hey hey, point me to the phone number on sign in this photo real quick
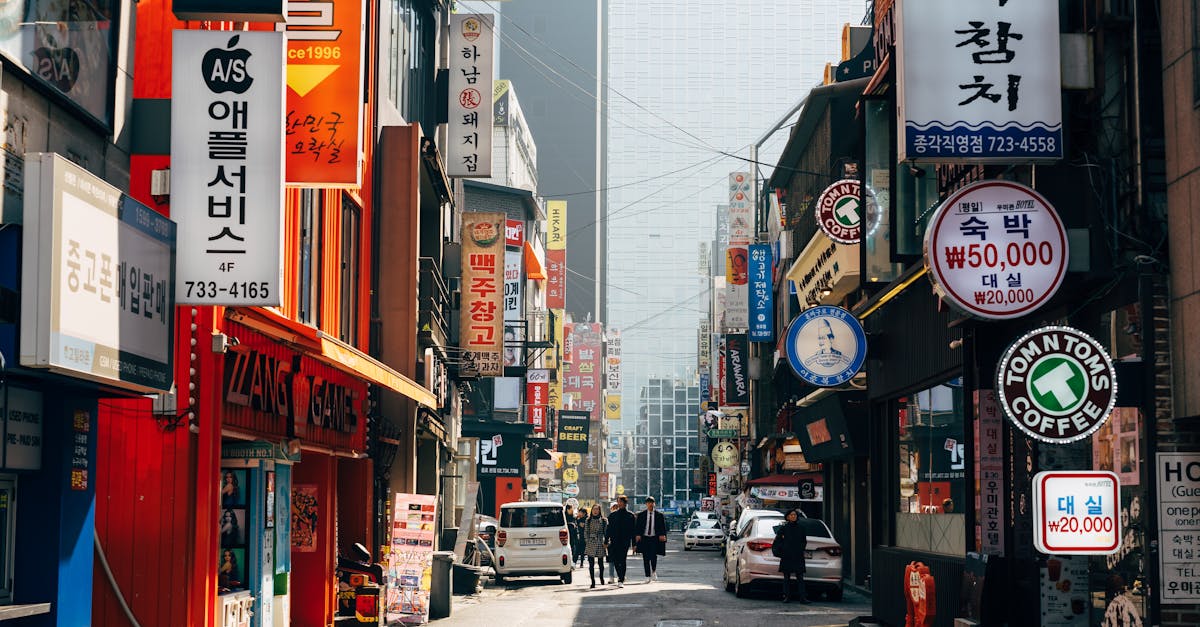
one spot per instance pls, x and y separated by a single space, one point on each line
245 289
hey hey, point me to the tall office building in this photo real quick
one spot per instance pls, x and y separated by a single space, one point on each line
665 449
688 81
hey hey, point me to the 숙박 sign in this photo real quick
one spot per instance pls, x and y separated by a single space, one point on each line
1179 526
469 130
762 310
323 128
1076 512
996 250
839 211
978 81
989 472
227 156
482 324
1057 384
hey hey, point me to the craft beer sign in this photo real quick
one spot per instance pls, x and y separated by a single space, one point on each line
1057 384
996 250
839 211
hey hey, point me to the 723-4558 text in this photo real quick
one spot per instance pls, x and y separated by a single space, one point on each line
243 289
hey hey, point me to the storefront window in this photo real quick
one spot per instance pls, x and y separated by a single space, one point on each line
932 484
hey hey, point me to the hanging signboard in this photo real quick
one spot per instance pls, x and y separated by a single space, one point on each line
839 211
741 210
482 323
470 120
989 472
612 369
737 286
537 392
1076 512
996 250
573 432
612 407
323 128
512 284
762 293
1178 526
737 371
826 346
978 81
1057 384
556 254
227 166
725 454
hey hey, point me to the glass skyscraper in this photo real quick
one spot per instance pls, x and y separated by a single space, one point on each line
688 82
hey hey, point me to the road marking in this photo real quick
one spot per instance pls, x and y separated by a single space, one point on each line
680 622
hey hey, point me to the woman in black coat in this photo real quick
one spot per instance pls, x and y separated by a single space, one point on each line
789 545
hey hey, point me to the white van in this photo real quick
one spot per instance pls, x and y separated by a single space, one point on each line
533 539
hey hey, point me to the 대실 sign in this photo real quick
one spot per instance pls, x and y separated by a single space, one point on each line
1076 512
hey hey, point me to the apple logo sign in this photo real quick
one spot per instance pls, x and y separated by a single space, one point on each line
225 70
57 66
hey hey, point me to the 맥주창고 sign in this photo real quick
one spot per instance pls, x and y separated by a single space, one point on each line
826 346
1057 384
1075 512
482 322
839 211
996 250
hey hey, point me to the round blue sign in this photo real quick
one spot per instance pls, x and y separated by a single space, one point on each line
826 346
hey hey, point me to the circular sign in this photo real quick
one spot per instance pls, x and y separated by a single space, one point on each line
620 489
725 454
573 502
839 211
996 250
1057 384
826 345
571 488
570 475
574 459
532 483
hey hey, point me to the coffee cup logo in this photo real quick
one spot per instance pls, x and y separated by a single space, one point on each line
225 70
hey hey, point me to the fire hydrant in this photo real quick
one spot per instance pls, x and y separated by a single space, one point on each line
920 596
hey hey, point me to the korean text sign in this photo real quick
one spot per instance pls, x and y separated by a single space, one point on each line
1179 526
482 324
978 80
537 391
1076 512
227 165
556 254
583 373
469 149
97 279
323 127
612 370
762 311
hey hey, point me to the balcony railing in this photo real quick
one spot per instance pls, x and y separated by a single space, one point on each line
433 304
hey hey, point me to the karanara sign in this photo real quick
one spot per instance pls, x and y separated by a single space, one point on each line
839 211
1057 384
996 250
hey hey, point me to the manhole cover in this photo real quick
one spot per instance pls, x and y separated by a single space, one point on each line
686 622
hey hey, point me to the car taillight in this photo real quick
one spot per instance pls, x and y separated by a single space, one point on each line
563 536
501 560
834 551
501 537
564 559
758 546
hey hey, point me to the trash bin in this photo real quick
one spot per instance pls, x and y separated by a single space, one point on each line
441 585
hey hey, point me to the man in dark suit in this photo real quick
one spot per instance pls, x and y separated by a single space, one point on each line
651 529
620 534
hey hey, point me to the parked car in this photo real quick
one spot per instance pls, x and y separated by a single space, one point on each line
706 532
748 515
698 515
750 563
532 539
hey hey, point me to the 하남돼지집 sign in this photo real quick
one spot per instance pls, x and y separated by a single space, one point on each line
1057 384
826 346
227 157
996 250
470 121
1076 512
839 211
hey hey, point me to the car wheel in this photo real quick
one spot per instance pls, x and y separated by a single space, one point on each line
834 594
726 581
566 577
499 579
687 548
739 590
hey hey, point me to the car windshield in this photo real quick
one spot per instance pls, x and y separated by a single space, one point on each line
548 516
704 524
812 528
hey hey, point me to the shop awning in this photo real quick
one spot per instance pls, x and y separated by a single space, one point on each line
534 268
788 480
330 350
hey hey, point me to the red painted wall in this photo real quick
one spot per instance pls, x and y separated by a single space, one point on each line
312 573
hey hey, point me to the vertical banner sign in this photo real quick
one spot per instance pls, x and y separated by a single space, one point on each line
978 81
737 372
556 254
482 324
722 368
720 298
573 431
741 211
612 366
582 374
537 392
737 282
762 310
1179 526
989 475
227 166
469 130
323 128
514 239
413 524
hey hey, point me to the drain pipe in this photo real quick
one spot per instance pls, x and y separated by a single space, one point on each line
112 581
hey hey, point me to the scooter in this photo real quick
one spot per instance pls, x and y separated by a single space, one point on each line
360 594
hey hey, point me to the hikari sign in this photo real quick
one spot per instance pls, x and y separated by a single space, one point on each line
469 149
481 334
1076 512
227 166
978 81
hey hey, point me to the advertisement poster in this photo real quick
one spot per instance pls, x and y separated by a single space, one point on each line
1064 586
305 507
410 567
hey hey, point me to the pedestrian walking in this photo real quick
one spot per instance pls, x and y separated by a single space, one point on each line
621 531
612 509
578 547
790 542
595 532
651 541
573 534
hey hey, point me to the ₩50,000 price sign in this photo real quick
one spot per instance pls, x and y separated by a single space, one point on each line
1075 512
996 249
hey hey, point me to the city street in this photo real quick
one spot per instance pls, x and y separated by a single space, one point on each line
688 593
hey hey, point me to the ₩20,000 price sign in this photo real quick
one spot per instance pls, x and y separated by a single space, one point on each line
1075 512
996 249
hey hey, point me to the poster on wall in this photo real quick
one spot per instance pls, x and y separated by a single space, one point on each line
305 509
410 565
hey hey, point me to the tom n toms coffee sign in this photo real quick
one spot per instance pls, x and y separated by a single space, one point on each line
839 211
1057 384
826 346
996 250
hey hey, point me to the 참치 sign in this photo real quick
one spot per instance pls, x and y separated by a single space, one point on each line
1075 512
996 250
1057 384
826 346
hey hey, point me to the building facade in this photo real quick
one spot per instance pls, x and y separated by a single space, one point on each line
664 448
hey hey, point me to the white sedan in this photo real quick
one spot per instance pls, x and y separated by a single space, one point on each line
703 533
750 563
